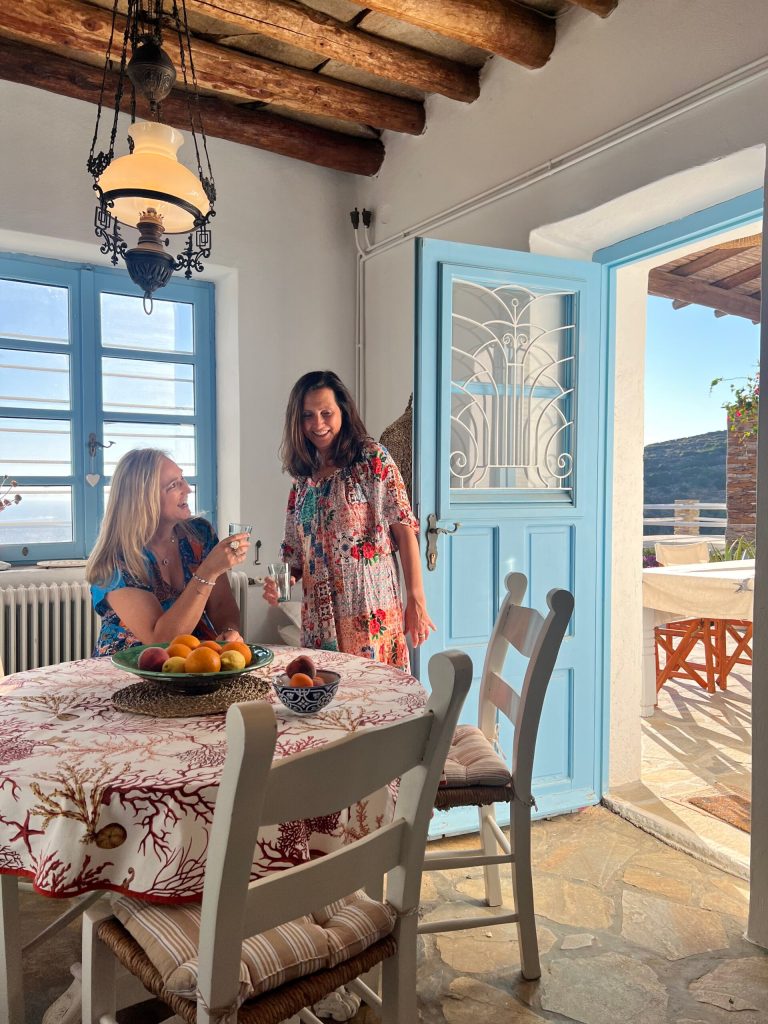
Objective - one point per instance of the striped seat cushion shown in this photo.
(169, 935)
(472, 761)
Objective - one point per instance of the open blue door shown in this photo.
(509, 443)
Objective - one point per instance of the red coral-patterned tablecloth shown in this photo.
(94, 798)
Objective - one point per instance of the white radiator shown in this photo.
(47, 623)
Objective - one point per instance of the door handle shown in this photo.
(433, 532)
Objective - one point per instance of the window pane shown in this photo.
(34, 380)
(124, 324)
(177, 439)
(34, 312)
(43, 516)
(139, 386)
(36, 447)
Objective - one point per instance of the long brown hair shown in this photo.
(131, 517)
(298, 454)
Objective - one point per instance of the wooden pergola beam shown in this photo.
(298, 25)
(601, 7)
(222, 120)
(83, 30)
(516, 33)
(706, 260)
(670, 286)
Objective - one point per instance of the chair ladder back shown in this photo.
(534, 690)
(229, 910)
(502, 696)
(251, 739)
(296, 792)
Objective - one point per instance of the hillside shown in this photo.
(688, 467)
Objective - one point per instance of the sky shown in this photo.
(685, 350)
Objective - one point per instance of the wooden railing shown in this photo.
(685, 520)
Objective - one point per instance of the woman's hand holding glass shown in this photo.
(271, 592)
(227, 554)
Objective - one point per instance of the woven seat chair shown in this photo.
(293, 936)
(475, 775)
(676, 642)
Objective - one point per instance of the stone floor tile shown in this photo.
(727, 896)
(469, 1001)
(577, 941)
(738, 985)
(588, 989)
(675, 931)
(573, 903)
(661, 884)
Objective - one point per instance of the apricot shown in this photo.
(244, 649)
(202, 659)
(300, 679)
(178, 651)
(187, 639)
(152, 659)
(303, 664)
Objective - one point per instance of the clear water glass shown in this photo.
(280, 572)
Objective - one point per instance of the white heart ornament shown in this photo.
(92, 478)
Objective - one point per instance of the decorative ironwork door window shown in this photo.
(512, 389)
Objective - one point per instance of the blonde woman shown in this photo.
(155, 571)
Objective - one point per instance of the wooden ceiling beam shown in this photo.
(515, 33)
(601, 7)
(706, 260)
(743, 276)
(298, 25)
(79, 28)
(670, 286)
(222, 120)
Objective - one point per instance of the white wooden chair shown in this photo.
(254, 793)
(475, 775)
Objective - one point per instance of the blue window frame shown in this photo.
(79, 358)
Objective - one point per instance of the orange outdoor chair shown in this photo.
(677, 641)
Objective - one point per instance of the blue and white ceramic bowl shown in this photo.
(306, 700)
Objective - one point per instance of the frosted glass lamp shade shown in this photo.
(153, 168)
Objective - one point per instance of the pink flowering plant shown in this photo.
(744, 403)
(7, 496)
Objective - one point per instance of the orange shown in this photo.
(178, 650)
(202, 659)
(212, 644)
(237, 645)
(187, 639)
(300, 679)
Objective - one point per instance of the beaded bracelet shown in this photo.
(200, 579)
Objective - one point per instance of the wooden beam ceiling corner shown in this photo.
(703, 262)
(516, 33)
(83, 29)
(291, 22)
(600, 7)
(256, 128)
(670, 286)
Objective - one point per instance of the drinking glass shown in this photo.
(239, 528)
(280, 572)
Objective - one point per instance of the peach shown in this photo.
(303, 664)
(153, 659)
(300, 679)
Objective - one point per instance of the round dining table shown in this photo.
(93, 798)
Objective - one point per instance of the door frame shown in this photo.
(730, 214)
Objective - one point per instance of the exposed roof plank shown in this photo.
(706, 260)
(298, 25)
(743, 276)
(83, 29)
(601, 7)
(258, 128)
(516, 33)
(671, 286)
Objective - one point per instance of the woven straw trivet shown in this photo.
(151, 699)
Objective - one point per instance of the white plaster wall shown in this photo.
(284, 274)
(602, 75)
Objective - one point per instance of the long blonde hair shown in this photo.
(131, 517)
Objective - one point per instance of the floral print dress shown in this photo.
(337, 534)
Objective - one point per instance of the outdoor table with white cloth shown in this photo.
(93, 799)
(711, 590)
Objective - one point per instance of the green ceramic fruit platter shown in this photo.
(189, 682)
